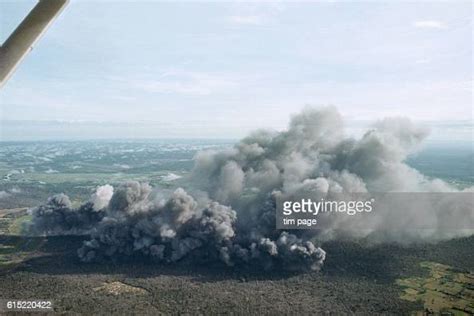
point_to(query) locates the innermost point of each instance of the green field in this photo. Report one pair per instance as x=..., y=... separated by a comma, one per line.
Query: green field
x=444, y=291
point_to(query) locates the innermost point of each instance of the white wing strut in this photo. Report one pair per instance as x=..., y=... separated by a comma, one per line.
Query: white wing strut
x=21, y=41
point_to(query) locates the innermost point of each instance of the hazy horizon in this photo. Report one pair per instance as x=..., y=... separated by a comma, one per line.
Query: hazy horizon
x=221, y=70
x=26, y=130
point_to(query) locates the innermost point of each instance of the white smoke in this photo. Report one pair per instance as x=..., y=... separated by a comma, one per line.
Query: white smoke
x=101, y=198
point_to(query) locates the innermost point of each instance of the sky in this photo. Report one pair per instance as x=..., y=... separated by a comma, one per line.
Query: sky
x=158, y=69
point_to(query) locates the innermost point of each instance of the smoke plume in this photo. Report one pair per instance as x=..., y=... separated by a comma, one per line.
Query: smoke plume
x=233, y=218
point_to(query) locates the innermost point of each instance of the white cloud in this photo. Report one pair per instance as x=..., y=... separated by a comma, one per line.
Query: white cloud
x=423, y=61
x=256, y=12
x=15, y=190
x=170, y=177
x=429, y=24
x=247, y=19
x=191, y=83
x=4, y=194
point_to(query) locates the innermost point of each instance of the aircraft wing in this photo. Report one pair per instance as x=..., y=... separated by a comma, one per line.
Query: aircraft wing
x=21, y=41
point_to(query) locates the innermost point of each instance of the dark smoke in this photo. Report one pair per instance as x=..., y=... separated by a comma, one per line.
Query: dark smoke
x=168, y=231
x=234, y=219
x=57, y=217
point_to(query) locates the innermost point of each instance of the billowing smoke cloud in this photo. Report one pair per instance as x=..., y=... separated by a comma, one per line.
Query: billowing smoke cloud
x=131, y=223
x=314, y=159
x=58, y=217
x=233, y=220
